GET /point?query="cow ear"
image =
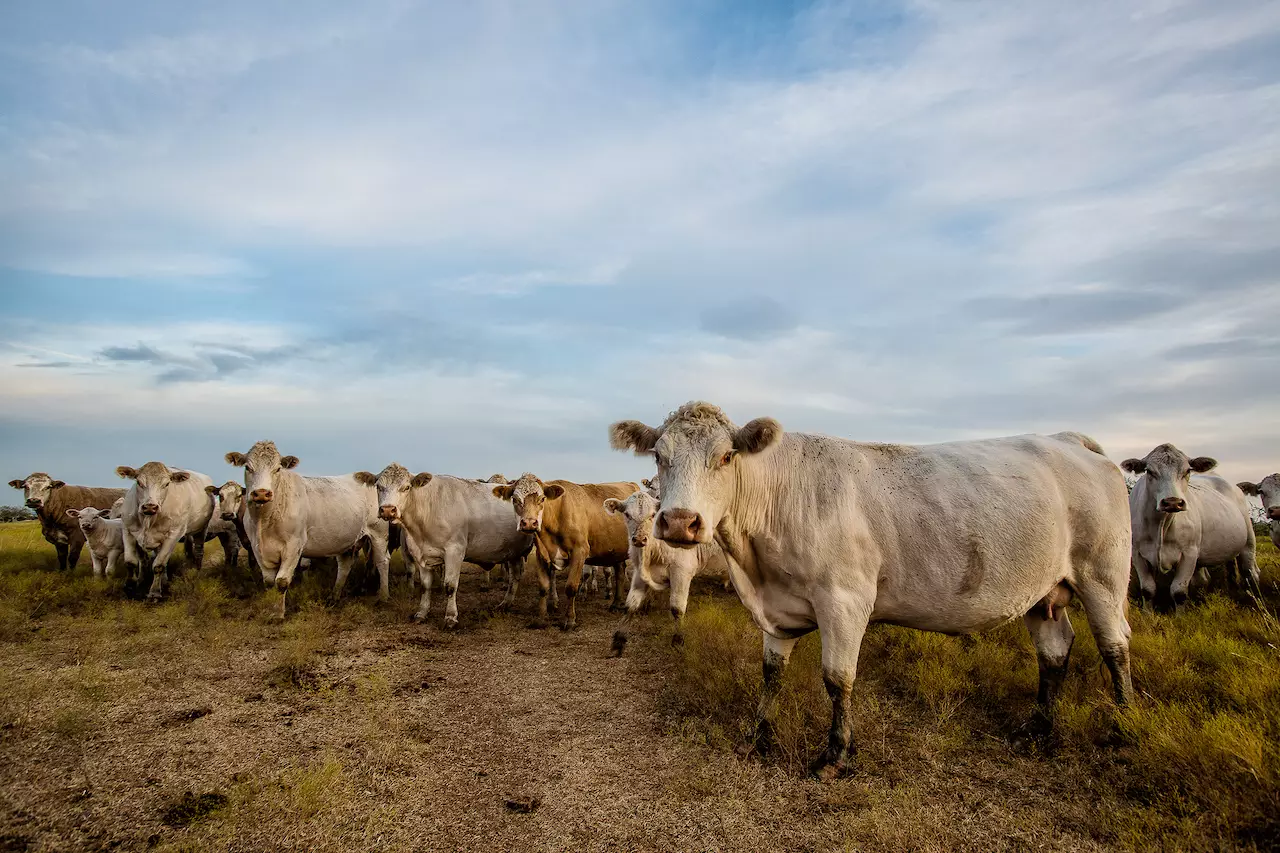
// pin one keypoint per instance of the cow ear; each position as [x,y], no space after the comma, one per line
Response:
[17,484]
[124,472]
[365,478]
[179,476]
[1248,488]
[236,459]
[74,513]
[1134,466]
[553,491]
[288,462]
[757,435]
[633,435]
[504,492]
[613,506]
[420,479]
[57,484]
[1201,464]
[213,490]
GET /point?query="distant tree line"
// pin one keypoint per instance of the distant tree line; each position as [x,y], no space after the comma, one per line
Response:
[16,513]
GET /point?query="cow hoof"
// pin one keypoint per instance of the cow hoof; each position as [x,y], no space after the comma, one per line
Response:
[619,643]
[419,618]
[677,639]
[538,624]
[568,626]
[450,624]
[829,771]
[1179,603]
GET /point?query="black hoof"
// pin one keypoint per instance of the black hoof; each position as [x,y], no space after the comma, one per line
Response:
[619,643]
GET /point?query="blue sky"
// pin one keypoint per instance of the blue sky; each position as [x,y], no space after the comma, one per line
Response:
[468,236]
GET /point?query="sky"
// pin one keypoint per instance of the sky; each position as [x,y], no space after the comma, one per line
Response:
[467,237]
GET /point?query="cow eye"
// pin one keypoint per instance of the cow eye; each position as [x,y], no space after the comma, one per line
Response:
[248,469]
[726,459]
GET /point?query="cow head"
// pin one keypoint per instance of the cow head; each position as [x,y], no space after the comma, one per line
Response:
[227,499]
[1268,491]
[36,489]
[652,487]
[261,465]
[697,451]
[1168,470]
[393,484]
[152,482]
[638,511]
[529,496]
[497,478]
[88,518]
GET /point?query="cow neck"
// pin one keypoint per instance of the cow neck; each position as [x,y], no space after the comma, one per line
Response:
[283,499]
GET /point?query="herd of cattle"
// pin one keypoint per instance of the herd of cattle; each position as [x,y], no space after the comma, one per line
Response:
[814,532]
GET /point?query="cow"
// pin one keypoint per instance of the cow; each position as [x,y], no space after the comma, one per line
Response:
[449,521]
[656,564]
[230,508]
[1268,491]
[290,517]
[1184,517]
[163,507]
[571,526]
[105,537]
[51,499]
[831,534]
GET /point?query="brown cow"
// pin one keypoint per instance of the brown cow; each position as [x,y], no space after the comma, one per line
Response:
[572,527]
[51,499]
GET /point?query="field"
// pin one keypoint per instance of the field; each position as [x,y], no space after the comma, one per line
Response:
[203,724]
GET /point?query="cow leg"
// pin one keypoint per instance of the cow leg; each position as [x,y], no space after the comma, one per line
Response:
[160,569]
[230,550]
[635,599]
[113,563]
[1182,580]
[61,548]
[1052,638]
[618,596]
[195,551]
[681,580]
[381,557]
[1104,603]
[1248,562]
[1146,581]
[345,561]
[97,564]
[842,623]
[511,574]
[777,652]
[428,570]
[73,553]
[546,572]
[452,575]
[572,581]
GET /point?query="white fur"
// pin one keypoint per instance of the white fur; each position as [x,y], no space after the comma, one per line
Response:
[185,511]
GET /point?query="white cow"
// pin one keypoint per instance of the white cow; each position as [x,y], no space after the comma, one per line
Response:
[1268,491]
[451,521]
[1182,520]
[658,565]
[290,517]
[162,507]
[833,534]
[105,537]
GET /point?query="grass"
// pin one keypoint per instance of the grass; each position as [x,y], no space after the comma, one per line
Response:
[1194,763]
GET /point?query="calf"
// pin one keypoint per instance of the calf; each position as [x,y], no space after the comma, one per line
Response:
[163,507]
[51,499]
[1183,517]
[450,521]
[104,536]
[570,523]
[829,534]
[1268,491]
[290,517]
[229,507]
[656,564]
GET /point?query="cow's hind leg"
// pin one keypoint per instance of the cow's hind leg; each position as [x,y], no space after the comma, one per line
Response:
[1052,637]
[1104,605]
[345,561]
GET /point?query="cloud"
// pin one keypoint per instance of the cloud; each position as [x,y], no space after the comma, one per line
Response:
[750,318]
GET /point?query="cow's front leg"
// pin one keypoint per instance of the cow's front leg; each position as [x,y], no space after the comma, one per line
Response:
[1146,582]
[777,652]
[681,580]
[1182,580]
[511,571]
[61,548]
[113,562]
[452,575]
[546,572]
[842,625]
[73,553]
[572,581]
[345,561]
[160,569]
[635,599]
[616,587]
[96,563]
[428,569]
[380,554]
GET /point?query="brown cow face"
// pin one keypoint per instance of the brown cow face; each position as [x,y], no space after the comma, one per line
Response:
[1168,471]
[261,466]
[529,496]
[152,482]
[638,511]
[37,489]
[697,452]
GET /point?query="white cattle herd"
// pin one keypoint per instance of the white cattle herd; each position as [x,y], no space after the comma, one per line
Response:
[814,532]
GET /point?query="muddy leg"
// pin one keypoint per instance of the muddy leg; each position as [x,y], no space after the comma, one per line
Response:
[635,599]
[572,581]
[1052,639]
[776,654]
[428,577]
[452,575]
[1146,581]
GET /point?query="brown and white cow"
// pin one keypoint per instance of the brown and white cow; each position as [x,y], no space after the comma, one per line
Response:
[163,507]
[658,565]
[104,536]
[450,521]
[829,534]
[1184,517]
[572,526]
[51,499]
[1268,491]
[290,517]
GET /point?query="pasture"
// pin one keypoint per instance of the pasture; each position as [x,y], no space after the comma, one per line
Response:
[203,724]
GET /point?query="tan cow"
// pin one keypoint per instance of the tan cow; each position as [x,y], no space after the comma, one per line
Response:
[572,527]
[51,499]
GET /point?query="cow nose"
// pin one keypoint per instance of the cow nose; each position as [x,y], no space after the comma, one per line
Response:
[1274,512]
[228,516]
[1172,505]
[639,541]
[150,509]
[528,524]
[679,525]
[388,512]
[261,496]
[34,503]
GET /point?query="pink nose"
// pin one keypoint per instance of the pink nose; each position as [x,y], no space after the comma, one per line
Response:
[261,496]
[149,509]
[388,512]
[639,541]
[1173,505]
[228,516]
[528,525]
[679,525]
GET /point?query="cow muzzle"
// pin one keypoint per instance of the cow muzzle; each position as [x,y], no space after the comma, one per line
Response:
[639,541]
[1172,505]
[1274,513]
[228,516]
[149,509]
[35,503]
[529,525]
[261,496]
[387,512]
[679,526]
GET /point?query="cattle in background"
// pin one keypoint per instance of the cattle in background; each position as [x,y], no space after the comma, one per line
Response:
[829,534]
[657,565]
[229,508]
[163,507]
[1183,517]
[571,525]
[450,520]
[51,499]
[290,517]
[105,537]
[1268,491]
